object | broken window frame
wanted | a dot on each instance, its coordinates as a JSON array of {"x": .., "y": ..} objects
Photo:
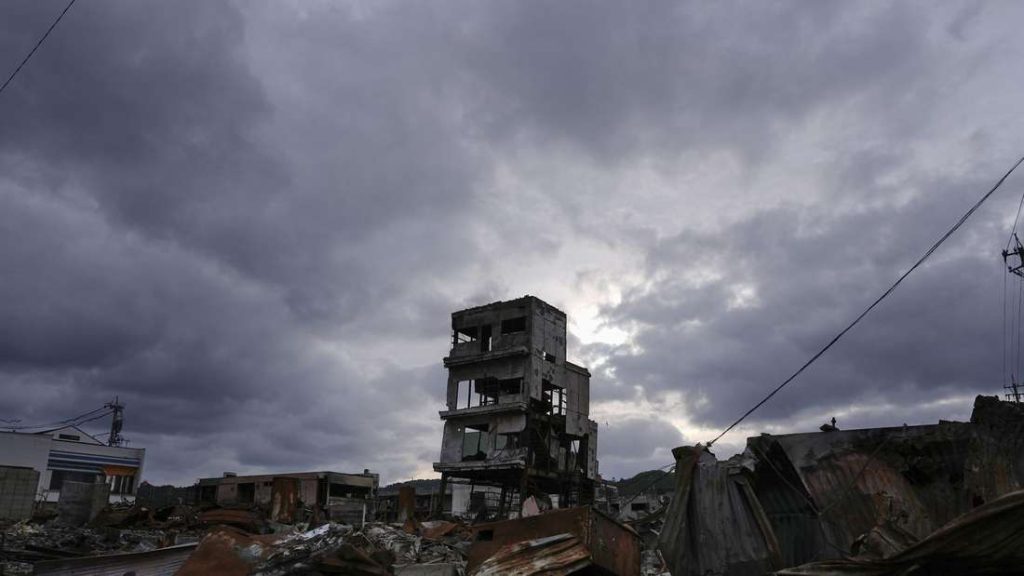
[
  {"x": 553, "y": 398},
  {"x": 487, "y": 391}
]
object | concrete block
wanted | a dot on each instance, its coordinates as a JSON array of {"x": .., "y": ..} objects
[
  {"x": 17, "y": 492},
  {"x": 80, "y": 502}
]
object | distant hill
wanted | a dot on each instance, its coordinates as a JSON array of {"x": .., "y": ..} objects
[
  {"x": 659, "y": 480},
  {"x": 422, "y": 486}
]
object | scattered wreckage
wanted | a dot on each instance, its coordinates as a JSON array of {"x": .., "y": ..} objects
[
  {"x": 877, "y": 501},
  {"x": 937, "y": 499}
]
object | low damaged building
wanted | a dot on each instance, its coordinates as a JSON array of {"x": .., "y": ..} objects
[
  {"x": 70, "y": 454},
  {"x": 793, "y": 499},
  {"x": 334, "y": 496},
  {"x": 517, "y": 419}
]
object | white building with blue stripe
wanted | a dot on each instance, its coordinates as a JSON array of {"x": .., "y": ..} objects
[{"x": 71, "y": 454}]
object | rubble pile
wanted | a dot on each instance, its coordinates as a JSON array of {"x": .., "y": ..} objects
[
  {"x": 116, "y": 530},
  {"x": 237, "y": 542},
  {"x": 376, "y": 549}
]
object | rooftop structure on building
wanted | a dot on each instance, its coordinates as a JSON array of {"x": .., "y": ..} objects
[{"x": 517, "y": 417}]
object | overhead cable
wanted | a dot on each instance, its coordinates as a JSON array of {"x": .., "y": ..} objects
[
  {"x": 36, "y": 47},
  {"x": 885, "y": 294}
]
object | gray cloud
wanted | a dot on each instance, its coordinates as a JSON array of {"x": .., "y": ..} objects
[{"x": 251, "y": 221}]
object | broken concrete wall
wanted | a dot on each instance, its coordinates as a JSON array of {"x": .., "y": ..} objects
[
  {"x": 591, "y": 450},
  {"x": 995, "y": 462},
  {"x": 351, "y": 511},
  {"x": 577, "y": 390},
  {"x": 80, "y": 502},
  {"x": 17, "y": 492}
]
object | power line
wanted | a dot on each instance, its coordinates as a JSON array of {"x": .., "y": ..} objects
[
  {"x": 1015, "y": 220},
  {"x": 74, "y": 421},
  {"x": 36, "y": 47},
  {"x": 885, "y": 294}
]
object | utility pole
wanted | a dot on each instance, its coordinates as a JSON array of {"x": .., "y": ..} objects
[
  {"x": 1014, "y": 390},
  {"x": 116, "y": 423}
]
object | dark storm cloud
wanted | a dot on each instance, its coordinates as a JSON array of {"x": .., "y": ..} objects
[
  {"x": 622, "y": 79},
  {"x": 251, "y": 221},
  {"x": 809, "y": 272},
  {"x": 629, "y": 445},
  {"x": 165, "y": 254}
]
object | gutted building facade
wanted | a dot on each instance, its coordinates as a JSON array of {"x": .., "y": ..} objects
[
  {"x": 517, "y": 419},
  {"x": 347, "y": 498}
]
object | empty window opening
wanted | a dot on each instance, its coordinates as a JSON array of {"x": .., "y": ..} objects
[
  {"x": 74, "y": 437},
  {"x": 121, "y": 484},
  {"x": 510, "y": 386},
  {"x": 247, "y": 492},
  {"x": 473, "y": 443},
  {"x": 463, "y": 335},
  {"x": 464, "y": 394},
  {"x": 485, "y": 338},
  {"x": 58, "y": 477},
  {"x": 208, "y": 493},
  {"x": 337, "y": 490},
  {"x": 487, "y": 390},
  {"x": 638, "y": 506},
  {"x": 513, "y": 325}
]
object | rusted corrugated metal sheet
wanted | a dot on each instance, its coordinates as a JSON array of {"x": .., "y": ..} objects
[
  {"x": 245, "y": 519},
  {"x": 822, "y": 491},
  {"x": 284, "y": 499},
  {"x": 613, "y": 546},
  {"x": 987, "y": 540},
  {"x": 557, "y": 555},
  {"x": 812, "y": 496},
  {"x": 714, "y": 524},
  {"x": 159, "y": 562},
  {"x": 406, "y": 503}
]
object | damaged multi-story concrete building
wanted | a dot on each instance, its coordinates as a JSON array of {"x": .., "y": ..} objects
[{"x": 517, "y": 419}]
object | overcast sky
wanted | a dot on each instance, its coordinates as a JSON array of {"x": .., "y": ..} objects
[{"x": 251, "y": 220}]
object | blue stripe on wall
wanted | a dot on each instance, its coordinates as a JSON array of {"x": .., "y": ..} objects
[{"x": 93, "y": 458}]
